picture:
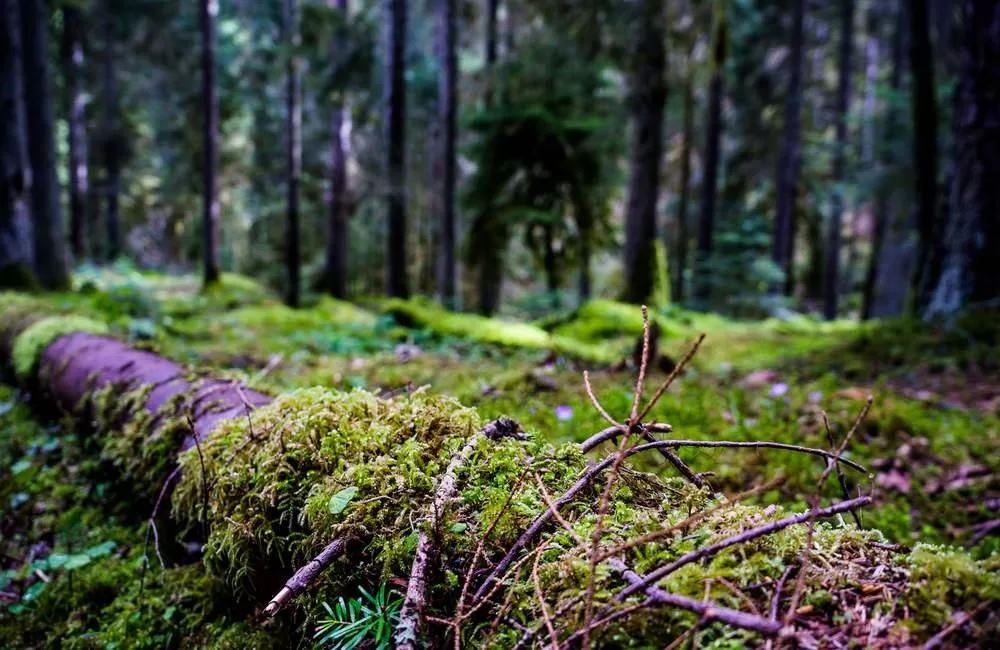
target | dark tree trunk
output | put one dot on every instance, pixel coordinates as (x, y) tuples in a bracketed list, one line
[(925, 154), (293, 150), (684, 191), (16, 254), (72, 57), (210, 114), (447, 112), (970, 271), (336, 248), (881, 207), (394, 98), (710, 179), (111, 138), (491, 50), (789, 161), (46, 210), (550, 264), (830, 278), (647, 96)]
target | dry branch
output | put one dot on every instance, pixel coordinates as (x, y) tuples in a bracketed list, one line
[(305, 576)]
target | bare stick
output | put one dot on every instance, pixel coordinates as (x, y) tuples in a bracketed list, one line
[(555, 513), (707, 609), (597, 403), (640, 381), (577, 636), (305, 576), (745, 536), (546, 615), (961, 620), (612, 433), (753, 444), (411, 613), (678, 369)]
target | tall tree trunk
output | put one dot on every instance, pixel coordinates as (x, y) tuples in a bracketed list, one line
[(789, 161), (889, 133), (394, 98), (72, 57), (647, 96), (491, 50), (340, 144), (830, 278), (491, 270), (111, 138), (210, 114), (16, 254), (925, 154), (710, 179), (684, 191), (46, 209), (447, 112), (971, 266), (293, 150)]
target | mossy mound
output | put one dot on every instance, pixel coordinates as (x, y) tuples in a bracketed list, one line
[(423, 314), (32, 341)]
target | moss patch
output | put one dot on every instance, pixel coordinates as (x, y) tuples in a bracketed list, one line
[(30, 343)]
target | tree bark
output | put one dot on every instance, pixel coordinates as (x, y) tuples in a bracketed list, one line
[(46, 209), (925, 154), (210, 115), (971, 266), (394, 98), (490, 50), (789, 161), (340, 145), (72, 57), (647, 96), (293, 150), (684, 191), (830, 279), (16, 253), (447, 116), (710, 179), (111, 139)]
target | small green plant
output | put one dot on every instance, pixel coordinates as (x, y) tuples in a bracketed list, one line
[(368, 619)]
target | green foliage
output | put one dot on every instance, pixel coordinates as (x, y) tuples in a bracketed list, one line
[(31, 342), (365, 621)]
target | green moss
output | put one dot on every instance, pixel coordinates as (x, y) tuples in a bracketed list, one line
[(30, 343), (944, 581)]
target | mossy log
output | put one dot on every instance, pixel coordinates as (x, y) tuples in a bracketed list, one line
[(271, 482)]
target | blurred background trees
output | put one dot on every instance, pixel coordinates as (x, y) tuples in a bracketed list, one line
[(752, 157)]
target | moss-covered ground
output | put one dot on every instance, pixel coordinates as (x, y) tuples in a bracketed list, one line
[(73, 543)]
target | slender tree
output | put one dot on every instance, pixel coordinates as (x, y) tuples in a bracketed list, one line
[(394, 99), (72, 60), (830, 278), (210, 116), (46, 210), (490, 54), (447, 112), (293, 150), (340, 128), (491, 270), (647, 96), (789, 160), (16, 254), (684, 191), (971, 265), (925, 154), (713, 138), (111, 138)]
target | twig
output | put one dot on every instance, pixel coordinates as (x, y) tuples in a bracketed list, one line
[(678, 369), (640, 381), (612, 433), (745, 536), (959, 621), (577, 636), (546, 615), (597, 403), (305, 576), (753, 444), (151, 528), (555, 513), (676, 643), (408, 627), (707, 609)]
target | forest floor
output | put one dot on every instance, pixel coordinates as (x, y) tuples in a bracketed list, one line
[(932, 438)]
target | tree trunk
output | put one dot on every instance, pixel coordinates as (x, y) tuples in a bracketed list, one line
[(72, 57), (830, 279), (340, 145), (111, 139), (684, 191), (394, 98), (46, 209), (789, 161), (647, 96), (925, 154), (491, 50), (293, 149), (710, 179), (447, 115), (210, 115), (970, 272), (16, 254)]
